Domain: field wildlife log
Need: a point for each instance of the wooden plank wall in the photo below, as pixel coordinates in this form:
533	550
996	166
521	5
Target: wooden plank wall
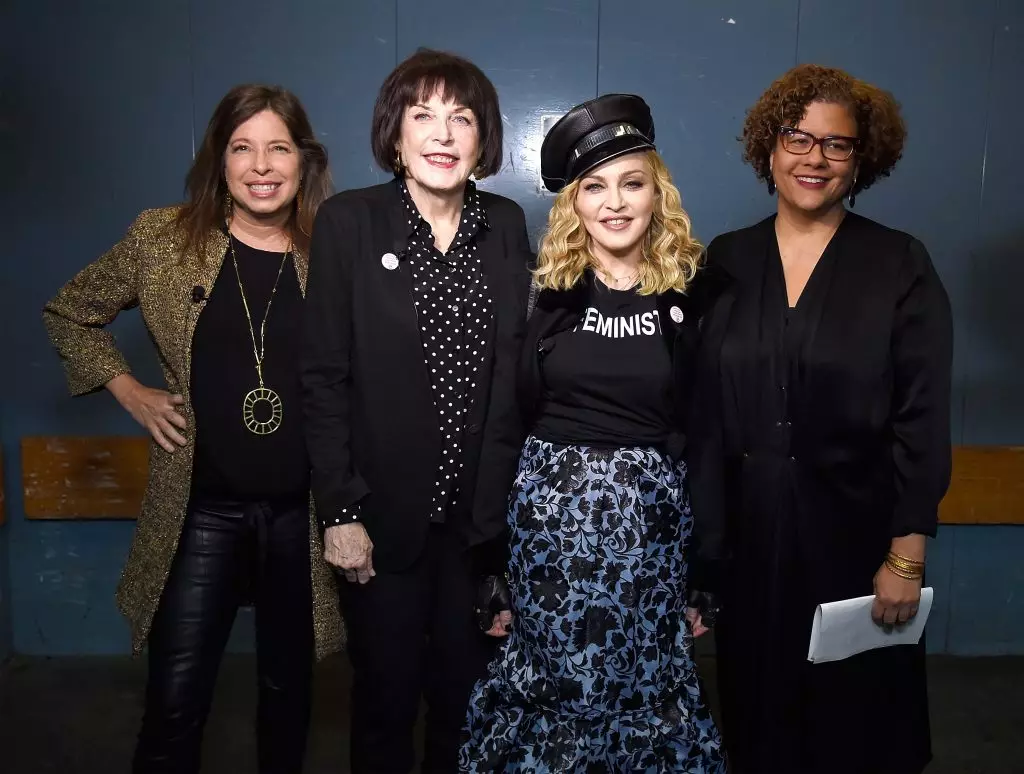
94	477
987	486
104	477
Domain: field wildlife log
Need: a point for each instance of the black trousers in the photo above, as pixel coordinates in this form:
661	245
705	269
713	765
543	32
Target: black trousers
412	635
231	552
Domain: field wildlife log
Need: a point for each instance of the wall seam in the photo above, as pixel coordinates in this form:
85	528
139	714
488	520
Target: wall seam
973	265
796	46
597	68
191	74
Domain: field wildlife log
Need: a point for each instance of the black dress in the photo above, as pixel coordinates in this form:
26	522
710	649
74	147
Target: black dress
823	432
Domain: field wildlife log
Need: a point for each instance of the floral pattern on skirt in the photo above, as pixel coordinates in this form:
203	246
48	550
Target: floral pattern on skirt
597	674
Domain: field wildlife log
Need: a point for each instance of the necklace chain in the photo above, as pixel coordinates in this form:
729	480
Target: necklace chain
630	278
260	350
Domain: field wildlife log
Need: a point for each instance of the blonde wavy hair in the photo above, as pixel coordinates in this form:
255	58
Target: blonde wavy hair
671	255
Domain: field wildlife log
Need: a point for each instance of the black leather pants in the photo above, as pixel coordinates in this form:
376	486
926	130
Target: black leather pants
229	553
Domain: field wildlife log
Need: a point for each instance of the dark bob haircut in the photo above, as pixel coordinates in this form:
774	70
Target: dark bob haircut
880	127
417	79
206	188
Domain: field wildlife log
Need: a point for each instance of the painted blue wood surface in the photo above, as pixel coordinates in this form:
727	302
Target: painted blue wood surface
101	103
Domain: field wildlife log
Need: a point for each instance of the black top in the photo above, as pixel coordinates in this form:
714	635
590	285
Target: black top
607	381
371	422
232	462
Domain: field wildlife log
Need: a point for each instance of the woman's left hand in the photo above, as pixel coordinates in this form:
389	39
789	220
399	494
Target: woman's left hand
697	627
501	624
896	598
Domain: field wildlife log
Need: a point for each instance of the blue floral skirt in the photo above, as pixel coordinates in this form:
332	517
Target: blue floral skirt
597	674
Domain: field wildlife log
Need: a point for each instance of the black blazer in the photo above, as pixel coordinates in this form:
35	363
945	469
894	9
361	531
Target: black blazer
371	424
864	453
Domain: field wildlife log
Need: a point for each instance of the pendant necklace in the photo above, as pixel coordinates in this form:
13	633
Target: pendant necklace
261	394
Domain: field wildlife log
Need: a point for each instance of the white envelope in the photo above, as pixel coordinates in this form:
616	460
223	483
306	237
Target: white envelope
845	628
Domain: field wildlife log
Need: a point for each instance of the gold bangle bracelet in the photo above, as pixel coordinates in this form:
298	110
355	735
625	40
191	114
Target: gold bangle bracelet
904	565
908	566
903	574
905	559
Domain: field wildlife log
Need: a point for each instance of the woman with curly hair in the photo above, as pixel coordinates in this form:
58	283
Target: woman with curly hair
597	673
824	441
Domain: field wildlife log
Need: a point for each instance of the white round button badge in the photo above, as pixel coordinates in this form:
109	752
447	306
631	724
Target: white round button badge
389	261
676	314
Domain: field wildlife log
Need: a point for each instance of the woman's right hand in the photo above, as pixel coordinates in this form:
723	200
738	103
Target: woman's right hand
155	410
349	548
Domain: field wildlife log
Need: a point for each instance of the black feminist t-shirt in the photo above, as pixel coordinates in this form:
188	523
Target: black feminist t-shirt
607	381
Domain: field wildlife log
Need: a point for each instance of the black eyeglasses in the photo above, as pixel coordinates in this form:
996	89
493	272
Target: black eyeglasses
833	147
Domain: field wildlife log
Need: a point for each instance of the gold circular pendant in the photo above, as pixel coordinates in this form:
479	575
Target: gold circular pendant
254	399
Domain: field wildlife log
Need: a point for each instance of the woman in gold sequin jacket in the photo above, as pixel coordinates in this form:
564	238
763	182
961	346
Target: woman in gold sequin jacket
226	518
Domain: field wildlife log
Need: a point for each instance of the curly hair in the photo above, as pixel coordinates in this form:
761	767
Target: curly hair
879	125
671	255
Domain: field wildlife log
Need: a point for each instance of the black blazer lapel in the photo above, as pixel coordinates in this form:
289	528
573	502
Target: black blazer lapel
556	311
390	259
487	242
674	309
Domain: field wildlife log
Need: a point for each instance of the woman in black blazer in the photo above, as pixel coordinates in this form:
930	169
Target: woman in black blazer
824	445
415	314
597	674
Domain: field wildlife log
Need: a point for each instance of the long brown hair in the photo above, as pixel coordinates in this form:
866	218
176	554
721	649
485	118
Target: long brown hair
205	186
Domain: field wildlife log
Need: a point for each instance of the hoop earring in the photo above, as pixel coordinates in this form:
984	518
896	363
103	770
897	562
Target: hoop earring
771	187
853	195
399	165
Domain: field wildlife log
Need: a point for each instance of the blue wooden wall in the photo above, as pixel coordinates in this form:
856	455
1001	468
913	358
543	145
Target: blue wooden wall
101	105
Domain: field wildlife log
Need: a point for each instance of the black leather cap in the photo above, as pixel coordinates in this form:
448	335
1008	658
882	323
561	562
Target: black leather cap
591	134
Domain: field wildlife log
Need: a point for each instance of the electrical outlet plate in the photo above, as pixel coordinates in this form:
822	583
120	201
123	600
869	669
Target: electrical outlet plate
547	120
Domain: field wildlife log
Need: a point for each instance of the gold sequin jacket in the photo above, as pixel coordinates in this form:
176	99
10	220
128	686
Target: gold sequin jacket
146	269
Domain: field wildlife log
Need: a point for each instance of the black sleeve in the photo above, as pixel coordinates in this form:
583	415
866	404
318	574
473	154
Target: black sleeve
922	355
326	367
705	450
503	429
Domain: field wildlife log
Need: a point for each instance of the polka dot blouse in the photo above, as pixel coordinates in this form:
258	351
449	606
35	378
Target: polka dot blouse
454	310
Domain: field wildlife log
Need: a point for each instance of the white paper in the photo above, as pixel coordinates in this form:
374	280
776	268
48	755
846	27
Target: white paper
845	628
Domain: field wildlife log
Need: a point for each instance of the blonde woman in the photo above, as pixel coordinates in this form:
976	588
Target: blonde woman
597	672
